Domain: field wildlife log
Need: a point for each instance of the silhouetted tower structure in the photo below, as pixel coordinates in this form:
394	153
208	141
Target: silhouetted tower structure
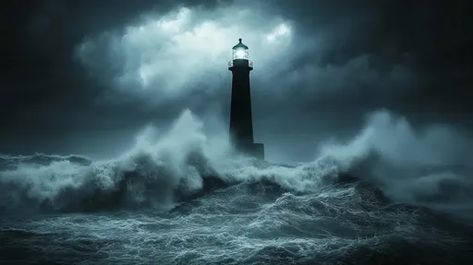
241	123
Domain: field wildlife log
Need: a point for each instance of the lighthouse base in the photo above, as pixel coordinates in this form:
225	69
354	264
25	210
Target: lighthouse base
253	149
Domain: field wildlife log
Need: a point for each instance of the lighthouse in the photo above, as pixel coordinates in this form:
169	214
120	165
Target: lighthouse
241	122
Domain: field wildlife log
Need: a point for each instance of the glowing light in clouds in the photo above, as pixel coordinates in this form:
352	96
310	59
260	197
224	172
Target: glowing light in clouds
176	23
279	33
174	52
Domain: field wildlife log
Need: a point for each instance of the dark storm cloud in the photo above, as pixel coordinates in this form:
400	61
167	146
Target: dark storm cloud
429	38
41	86
409	57
45	93
71	69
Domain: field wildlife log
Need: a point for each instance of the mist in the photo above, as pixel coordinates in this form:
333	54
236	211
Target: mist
429	167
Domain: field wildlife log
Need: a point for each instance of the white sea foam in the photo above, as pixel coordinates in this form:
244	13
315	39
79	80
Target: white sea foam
407	165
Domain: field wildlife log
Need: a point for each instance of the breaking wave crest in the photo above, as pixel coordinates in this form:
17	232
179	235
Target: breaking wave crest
148	175
430	168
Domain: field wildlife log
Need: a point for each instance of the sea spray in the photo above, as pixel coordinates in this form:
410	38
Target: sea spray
165	167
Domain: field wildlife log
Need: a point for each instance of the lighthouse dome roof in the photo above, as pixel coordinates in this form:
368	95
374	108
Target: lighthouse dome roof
240	45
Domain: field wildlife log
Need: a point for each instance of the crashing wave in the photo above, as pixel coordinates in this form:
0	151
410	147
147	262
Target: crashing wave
161	170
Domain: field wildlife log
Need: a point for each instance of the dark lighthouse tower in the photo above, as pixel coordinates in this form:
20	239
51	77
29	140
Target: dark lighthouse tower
241	123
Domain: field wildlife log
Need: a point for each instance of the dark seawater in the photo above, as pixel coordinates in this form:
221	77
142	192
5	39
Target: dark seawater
251	222
388	197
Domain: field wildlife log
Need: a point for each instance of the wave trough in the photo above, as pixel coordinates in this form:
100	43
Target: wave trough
182	197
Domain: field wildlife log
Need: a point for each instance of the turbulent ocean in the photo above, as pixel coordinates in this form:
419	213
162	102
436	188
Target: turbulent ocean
390	195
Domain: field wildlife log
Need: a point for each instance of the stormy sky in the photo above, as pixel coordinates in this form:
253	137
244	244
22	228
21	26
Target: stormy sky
86	77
